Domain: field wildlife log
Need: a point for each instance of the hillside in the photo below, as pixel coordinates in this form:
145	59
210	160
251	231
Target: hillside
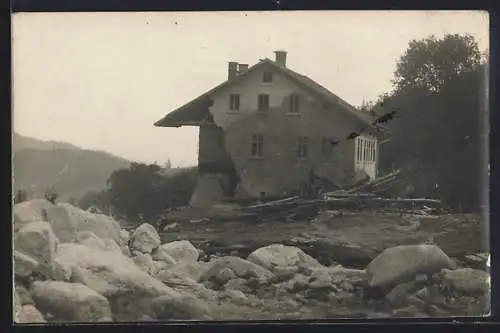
73	171
23	142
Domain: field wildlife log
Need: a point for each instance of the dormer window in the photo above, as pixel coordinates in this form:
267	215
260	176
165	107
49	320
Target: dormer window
267	77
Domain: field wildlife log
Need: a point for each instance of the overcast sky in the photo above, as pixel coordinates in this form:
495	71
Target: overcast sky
100	80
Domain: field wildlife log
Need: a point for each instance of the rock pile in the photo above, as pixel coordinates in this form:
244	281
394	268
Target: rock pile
77	266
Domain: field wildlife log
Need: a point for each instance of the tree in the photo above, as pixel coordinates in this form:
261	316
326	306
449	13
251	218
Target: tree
182	185
96	199
435	134
138	191
143	192
429	63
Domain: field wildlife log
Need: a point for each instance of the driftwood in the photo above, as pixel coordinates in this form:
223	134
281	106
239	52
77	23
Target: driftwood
381	182
306	207
296	208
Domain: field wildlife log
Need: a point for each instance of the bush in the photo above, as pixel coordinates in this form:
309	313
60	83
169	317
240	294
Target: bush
143	192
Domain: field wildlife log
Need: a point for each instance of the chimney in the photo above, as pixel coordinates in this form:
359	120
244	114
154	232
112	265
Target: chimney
242	68
232	70
280	58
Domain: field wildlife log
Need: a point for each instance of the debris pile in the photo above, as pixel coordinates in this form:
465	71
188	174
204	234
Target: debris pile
98	273
364	195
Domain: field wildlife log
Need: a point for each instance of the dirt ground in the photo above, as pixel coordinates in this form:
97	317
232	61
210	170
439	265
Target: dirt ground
351	239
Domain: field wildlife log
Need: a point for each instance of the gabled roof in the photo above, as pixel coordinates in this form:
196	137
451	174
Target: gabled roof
197	111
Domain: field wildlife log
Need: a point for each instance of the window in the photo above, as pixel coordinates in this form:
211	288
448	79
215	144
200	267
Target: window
303	147
234	102
267	77
374	150
257	145
263	102
294	103
370	151
326	147
366	150
358	149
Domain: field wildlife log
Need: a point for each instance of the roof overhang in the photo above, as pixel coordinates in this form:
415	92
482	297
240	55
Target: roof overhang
195	113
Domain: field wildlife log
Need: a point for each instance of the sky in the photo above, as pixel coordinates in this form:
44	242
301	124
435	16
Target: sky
100	80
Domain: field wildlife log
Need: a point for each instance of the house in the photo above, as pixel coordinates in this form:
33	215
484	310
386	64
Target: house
266	128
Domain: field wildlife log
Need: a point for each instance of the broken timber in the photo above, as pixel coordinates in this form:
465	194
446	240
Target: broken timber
296	207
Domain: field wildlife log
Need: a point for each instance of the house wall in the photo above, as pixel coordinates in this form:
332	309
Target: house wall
280	170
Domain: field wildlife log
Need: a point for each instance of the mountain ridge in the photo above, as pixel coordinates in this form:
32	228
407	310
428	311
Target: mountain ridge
72	170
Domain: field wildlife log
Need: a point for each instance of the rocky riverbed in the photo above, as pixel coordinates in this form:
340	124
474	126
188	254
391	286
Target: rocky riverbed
75	266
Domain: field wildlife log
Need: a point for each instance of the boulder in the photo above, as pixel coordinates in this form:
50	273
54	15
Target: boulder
126	251
225	275
101	225
192	272
320	279
424	294
199	291
467	280
70	301
238	284
180	308
127	287
173	278
62	224
161	255
110	245
145	262
37	240
60	270
145	239
401	263
182	251
278	255
240	267
124	237
28	314
88	238
24	265
23	295
344	298
396	298
235	296
340	275
160	266
298	284
417	302
283	274
29	211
